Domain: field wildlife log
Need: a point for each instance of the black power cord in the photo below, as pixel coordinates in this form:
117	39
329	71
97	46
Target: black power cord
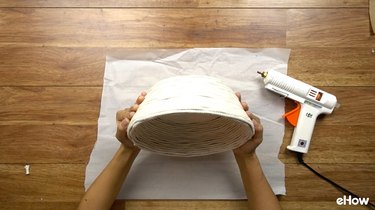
342	189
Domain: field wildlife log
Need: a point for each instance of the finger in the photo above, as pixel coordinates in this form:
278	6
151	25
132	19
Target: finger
141	98
258	126
124	124
121	129
134	108
143	93
253	117
238	94
119	114
131	114
245	106
258	131
249	114
122	114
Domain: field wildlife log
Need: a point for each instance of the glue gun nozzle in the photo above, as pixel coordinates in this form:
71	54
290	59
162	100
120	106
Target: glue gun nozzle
263	74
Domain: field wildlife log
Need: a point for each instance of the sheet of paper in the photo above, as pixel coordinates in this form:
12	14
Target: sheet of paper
152	176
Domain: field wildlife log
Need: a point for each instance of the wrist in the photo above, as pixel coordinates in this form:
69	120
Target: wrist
126	152
241	154
246	158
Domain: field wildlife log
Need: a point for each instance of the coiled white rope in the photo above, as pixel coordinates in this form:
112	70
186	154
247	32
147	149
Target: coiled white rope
190	116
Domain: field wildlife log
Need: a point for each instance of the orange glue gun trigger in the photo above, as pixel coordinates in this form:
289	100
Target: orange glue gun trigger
292	116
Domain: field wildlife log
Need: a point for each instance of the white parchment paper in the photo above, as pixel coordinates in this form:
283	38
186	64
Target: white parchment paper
152	176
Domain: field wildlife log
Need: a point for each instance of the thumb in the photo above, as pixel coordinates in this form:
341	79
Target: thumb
121	129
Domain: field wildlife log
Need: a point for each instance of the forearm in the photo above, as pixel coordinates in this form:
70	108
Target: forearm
106	186
259	193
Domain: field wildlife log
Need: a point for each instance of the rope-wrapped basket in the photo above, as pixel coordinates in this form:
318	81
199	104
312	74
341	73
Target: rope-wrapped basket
190	116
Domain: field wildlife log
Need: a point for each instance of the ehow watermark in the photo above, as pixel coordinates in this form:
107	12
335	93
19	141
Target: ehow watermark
352	201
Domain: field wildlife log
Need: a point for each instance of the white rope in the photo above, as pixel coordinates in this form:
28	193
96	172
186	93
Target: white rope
190	116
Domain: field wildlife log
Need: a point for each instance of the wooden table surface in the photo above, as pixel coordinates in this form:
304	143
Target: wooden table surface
52	56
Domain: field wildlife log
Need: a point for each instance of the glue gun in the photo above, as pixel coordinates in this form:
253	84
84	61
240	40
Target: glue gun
310	101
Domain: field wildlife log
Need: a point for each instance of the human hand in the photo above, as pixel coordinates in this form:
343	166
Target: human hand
249	147
123	118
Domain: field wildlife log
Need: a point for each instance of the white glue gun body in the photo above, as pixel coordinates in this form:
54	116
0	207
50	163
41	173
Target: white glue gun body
311	102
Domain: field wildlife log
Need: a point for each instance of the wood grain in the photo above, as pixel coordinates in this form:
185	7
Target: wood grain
283	4
39	205
52	56
192	3
329	205
80	105
181	205
57	117
64	182
46	182
82	66
223	205
356	177
73	144
52	143
142	27
355	106
329	28
333	66
52	66
334	144
100	3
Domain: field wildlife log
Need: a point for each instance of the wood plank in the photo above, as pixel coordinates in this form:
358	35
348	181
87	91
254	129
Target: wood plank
321	205
356	106
193	3
283	4
39	205
64	183
57	124
46	143
334	144
73	144
46	183
80	105
99	3
325	66
181	205
329	28
226	205
303	185
52	66
66	117
148	28
76	66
